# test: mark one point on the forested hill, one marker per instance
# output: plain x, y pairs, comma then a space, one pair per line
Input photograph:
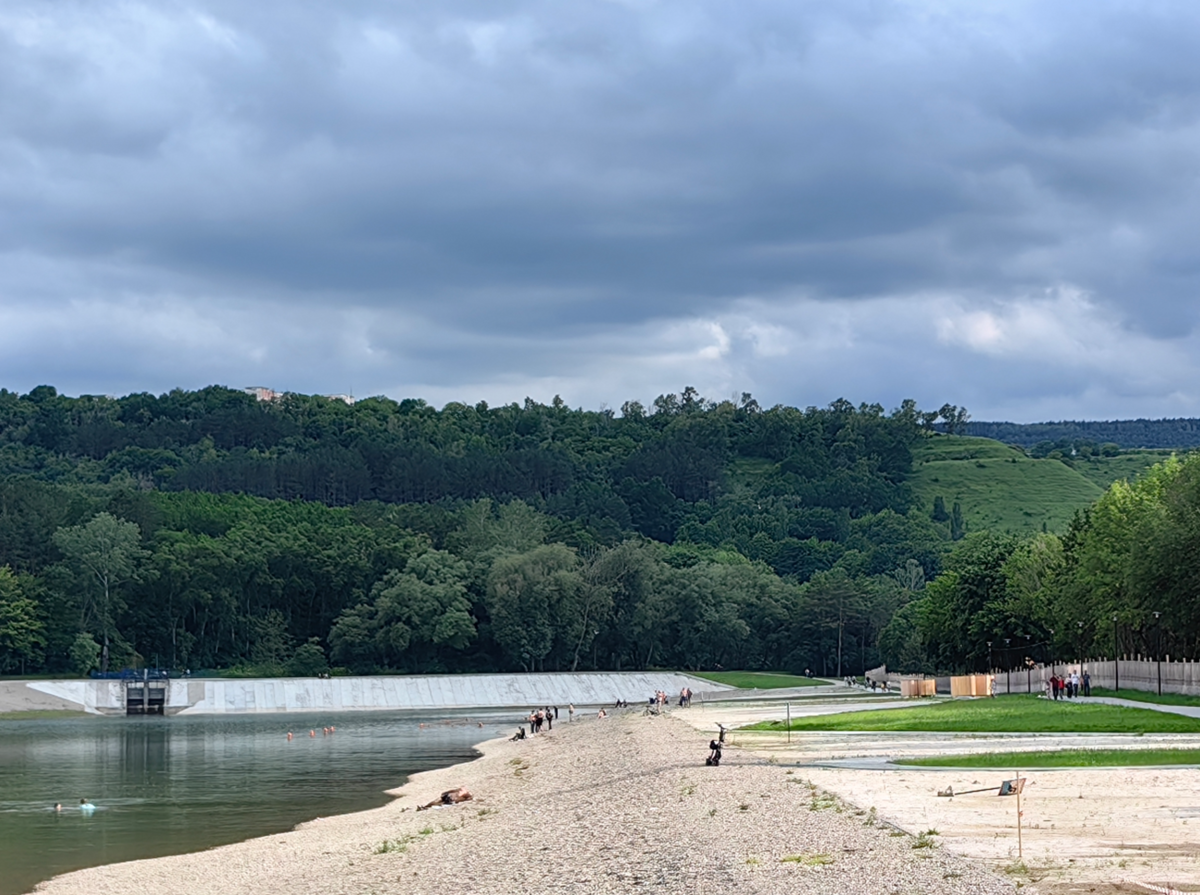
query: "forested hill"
211, 529
1176, 433
692, 533
713, 469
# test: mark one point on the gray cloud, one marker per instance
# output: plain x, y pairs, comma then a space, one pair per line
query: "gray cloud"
990, 205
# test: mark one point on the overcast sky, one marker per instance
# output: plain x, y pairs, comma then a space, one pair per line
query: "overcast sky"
995, 204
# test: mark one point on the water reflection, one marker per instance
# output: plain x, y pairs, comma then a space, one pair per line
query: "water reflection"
170, 785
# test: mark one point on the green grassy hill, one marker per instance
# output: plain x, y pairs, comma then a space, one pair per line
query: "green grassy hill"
1000, 489
1129, 465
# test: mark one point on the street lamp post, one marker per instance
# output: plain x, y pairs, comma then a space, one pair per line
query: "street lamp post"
1116, 657
1079, 646
1028, 666
1007, 668
1158, 648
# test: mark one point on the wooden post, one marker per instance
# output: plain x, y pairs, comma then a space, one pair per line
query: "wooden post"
1020, 846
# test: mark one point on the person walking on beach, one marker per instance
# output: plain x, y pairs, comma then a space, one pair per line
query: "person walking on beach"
549, 719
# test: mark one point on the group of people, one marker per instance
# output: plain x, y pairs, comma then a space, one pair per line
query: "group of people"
685, 697
1069, 685
546, 715
84, 805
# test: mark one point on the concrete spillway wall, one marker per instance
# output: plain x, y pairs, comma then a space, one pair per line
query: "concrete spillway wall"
460, 691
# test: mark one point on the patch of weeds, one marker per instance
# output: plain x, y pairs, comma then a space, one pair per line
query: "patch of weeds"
389, 846
819, 859
712, 812
895, 833
753, 861
822, 801
1017, 868
872, 817
449, 828
789, 772
484, 812
743, 807
925, 840
426, 831
951, 874
688, 789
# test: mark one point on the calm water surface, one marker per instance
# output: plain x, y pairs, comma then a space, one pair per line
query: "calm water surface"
171, 785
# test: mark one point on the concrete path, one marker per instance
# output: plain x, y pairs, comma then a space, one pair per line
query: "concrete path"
1190, 711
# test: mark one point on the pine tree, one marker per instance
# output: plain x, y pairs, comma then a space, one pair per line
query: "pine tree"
939, 510
958, 527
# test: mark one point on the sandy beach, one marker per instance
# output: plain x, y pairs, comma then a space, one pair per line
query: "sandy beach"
1087, 830
623, 804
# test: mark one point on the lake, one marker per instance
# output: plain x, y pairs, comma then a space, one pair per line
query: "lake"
172, 785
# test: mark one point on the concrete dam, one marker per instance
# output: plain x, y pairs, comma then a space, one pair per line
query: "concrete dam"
190, 696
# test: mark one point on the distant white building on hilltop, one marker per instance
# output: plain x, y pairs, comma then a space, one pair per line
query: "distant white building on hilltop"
262, 393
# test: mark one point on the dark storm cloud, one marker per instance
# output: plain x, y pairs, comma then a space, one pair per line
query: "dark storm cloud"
608, 198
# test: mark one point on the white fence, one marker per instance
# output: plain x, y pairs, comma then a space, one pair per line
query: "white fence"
1128, 674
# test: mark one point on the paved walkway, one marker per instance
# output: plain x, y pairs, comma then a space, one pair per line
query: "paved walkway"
1191, 711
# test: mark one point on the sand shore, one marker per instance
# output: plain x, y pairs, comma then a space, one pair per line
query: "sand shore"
1099, 831
623, 804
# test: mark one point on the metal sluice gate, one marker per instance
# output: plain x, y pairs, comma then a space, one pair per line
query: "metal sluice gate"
146, 695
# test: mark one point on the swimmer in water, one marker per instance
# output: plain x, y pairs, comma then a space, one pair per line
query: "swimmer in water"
58, 807
289, 736
86, 807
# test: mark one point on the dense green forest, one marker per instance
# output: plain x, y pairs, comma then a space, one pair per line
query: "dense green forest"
1097, 435
211, 530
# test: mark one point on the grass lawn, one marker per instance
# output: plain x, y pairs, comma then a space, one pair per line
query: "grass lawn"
1144, 696
1000, 489
1006, 714
1065, 758
762, 680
